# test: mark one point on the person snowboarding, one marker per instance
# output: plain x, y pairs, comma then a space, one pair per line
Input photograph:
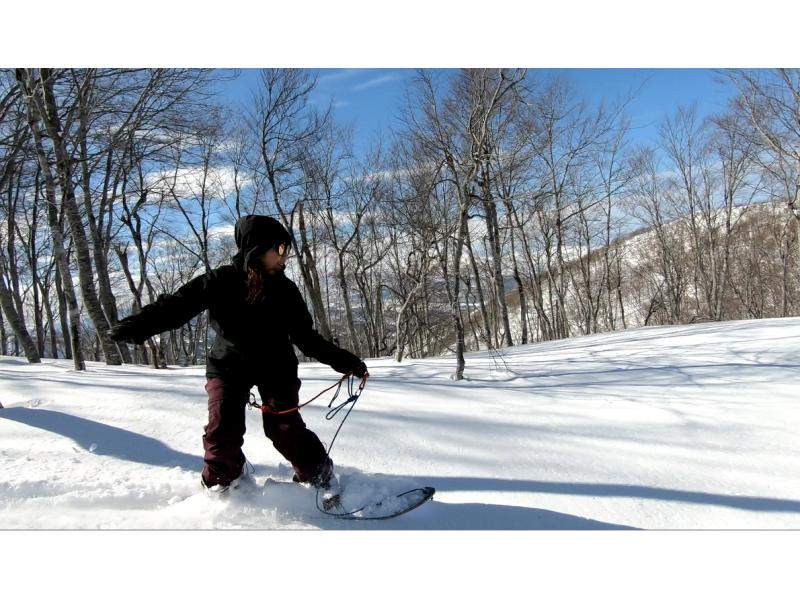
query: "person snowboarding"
257, 314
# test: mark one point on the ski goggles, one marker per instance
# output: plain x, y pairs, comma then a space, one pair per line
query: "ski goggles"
283, 249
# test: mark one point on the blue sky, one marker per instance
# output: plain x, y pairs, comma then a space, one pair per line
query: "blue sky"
370, 98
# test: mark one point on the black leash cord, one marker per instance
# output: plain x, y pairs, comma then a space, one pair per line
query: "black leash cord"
333, 411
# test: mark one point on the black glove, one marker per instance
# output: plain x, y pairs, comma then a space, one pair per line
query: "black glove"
126, 331
360, 370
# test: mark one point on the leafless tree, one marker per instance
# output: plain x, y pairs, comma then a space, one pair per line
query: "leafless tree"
767, 106
454, 131
56, 123
284, 124
662, 253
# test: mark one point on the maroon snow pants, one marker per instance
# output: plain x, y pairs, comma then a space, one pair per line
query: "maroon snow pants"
224, 434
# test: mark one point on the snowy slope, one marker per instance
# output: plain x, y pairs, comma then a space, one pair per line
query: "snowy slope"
690, 427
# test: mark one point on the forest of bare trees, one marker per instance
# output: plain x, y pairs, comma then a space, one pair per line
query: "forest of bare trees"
502, 208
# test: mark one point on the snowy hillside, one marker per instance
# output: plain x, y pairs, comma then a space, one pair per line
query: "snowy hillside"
690, 427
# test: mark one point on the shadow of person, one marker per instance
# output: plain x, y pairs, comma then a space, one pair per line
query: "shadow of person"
441, 516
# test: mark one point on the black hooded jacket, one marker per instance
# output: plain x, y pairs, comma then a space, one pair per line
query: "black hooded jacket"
253, 341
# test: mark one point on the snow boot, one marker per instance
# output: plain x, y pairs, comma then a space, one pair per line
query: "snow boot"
218, 489
326, 482
246, 477
323, 479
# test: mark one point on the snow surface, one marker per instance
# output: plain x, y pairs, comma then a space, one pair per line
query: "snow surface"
688, 427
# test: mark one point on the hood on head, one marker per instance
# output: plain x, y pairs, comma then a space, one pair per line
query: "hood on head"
255, 235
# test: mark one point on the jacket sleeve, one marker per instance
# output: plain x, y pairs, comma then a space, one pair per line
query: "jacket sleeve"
173, 310
311, 342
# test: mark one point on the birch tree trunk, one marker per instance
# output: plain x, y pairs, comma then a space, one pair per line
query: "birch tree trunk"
39, 295
493, 232
48, 309
3, 335
41, 97
71, 303
523, 300
486, 321
455, 306
16, 319
99, 245
64, 312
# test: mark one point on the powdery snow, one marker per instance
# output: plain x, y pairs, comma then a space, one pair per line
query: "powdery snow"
691, 427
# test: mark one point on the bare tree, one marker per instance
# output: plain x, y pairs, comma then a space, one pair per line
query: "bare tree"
134, 194
454, 132
284, 124
39, 90
664, 274
12, 138
32, 93
193, 188
16, 318
564, 134
740, 185
768, 105
337, 208
616, 174
687, 144
766, 109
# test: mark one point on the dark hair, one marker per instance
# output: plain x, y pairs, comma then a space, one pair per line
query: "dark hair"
255, 284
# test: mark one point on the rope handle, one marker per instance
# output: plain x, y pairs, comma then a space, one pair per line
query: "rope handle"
253, 404
353, 397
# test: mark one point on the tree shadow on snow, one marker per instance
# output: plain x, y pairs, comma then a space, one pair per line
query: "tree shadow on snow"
439, 515
748, 503
102, 439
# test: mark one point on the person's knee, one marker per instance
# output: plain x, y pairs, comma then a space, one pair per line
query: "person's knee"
282, 425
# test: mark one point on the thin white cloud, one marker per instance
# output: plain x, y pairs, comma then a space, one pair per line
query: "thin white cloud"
188, 182
375, 82
341, 74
